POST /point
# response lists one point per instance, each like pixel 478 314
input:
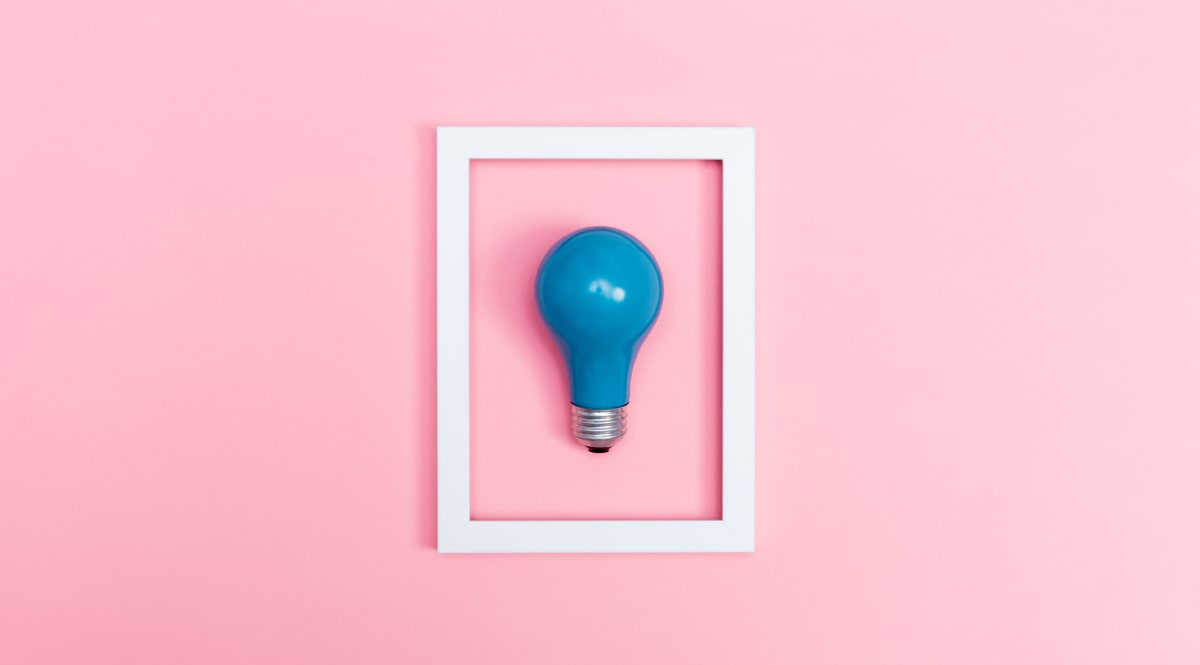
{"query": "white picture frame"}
pixel 456 147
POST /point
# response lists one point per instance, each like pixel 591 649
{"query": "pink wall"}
pixel 978 377
pixel 524 462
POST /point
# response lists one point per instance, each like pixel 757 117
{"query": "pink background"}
pixel 524 462
pixel 978 368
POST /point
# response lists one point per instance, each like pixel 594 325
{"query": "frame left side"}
pixel 453 336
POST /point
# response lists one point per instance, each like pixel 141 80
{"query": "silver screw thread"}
pixel 598 429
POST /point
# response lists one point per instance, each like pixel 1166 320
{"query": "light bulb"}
pixel 599 290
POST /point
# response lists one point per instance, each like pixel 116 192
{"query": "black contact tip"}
pixel 592 449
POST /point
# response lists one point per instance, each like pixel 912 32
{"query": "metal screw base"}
pixel 598 429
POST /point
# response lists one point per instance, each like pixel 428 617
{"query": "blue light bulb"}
pixel 599 291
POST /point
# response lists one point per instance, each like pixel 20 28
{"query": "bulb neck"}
pixel 598 429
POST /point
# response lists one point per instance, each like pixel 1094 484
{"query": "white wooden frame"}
pixel 456 147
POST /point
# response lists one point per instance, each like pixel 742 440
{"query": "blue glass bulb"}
pixel 599 290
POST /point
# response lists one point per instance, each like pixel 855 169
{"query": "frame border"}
pixel 456 147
